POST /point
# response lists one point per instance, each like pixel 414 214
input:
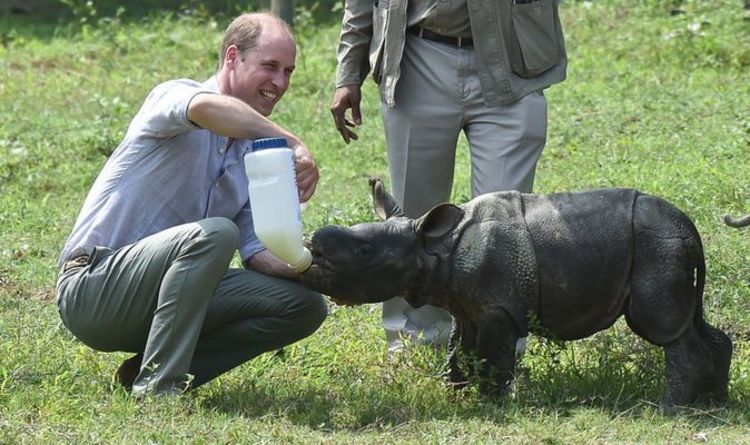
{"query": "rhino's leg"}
pixel 664 312
pixel 462 340
pixel 697 364
pixel 496 349
pixel 720 346
pixel 661 311
pixel 665 305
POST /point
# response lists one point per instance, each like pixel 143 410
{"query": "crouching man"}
pixel 146 267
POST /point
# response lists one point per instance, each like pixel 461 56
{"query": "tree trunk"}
pixel 284 9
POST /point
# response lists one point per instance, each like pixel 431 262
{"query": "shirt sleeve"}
pixel 250 245
pixel 354 43
pixel 164 112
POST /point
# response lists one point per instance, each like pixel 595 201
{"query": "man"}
pixel 146 267
pixel 443 67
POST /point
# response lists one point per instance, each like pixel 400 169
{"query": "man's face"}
pixel 260 77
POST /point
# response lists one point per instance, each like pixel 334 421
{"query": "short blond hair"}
pixel 244 31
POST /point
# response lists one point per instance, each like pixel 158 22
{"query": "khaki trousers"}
pixel 438 96
pixel 172 297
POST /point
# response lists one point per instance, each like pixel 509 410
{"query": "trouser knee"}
pixel 221 234
pixel 312 310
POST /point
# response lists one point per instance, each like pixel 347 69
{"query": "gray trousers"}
pixel 438 96
pixel 173 297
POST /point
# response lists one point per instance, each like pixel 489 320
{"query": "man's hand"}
pixel 346 97
pixel 265 262
pixel 307 172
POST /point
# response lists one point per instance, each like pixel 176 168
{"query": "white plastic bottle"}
pixel 274 200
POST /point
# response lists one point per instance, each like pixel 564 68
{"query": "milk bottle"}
pixel 274 200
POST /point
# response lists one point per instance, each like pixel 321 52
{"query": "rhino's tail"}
pixel 700 284
pixel 700 278
pixel 720 342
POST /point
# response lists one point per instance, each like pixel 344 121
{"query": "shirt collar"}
pixel 212 84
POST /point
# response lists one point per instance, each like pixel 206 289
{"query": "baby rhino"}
pixel 573 262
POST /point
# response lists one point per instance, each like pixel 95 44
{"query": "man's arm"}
pixel 354 43
pixel 353 65
pixel 231 117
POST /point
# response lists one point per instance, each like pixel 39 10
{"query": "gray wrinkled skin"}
pixel 572 262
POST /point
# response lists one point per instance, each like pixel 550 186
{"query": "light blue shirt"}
pixel 167 171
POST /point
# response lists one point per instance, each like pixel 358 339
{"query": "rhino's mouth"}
pixel 321 262
pixel 320 277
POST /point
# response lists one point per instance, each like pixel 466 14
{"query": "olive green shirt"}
pixel 448 17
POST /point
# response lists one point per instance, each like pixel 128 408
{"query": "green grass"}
pixel 653 100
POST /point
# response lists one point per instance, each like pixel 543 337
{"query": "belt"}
pixel 79 261
pixel 460 42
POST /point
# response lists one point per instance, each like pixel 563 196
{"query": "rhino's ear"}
pixel 385 205
pixel 439 221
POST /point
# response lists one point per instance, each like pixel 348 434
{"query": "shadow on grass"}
pixel 326 410
pixel 552 383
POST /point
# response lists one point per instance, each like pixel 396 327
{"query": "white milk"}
pixel 274 201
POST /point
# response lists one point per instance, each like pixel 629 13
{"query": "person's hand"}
pixel 307 172
pixel 265 262
pixel 346 97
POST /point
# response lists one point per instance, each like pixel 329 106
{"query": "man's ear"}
pixel 385 205
pixel 231 56
pixel 438 222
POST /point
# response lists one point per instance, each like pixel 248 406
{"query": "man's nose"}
pixel 281 81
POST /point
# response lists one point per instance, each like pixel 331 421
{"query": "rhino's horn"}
pixel 385 205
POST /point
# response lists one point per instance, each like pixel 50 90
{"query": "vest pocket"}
pixel 534 46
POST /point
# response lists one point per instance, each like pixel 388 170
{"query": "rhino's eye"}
pixel 363 251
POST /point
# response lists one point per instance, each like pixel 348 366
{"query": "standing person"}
pixel 146 267
pixel 444 67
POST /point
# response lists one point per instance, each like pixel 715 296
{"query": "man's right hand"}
pixel 348 96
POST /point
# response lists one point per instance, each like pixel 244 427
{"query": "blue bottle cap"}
pixel 262 144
